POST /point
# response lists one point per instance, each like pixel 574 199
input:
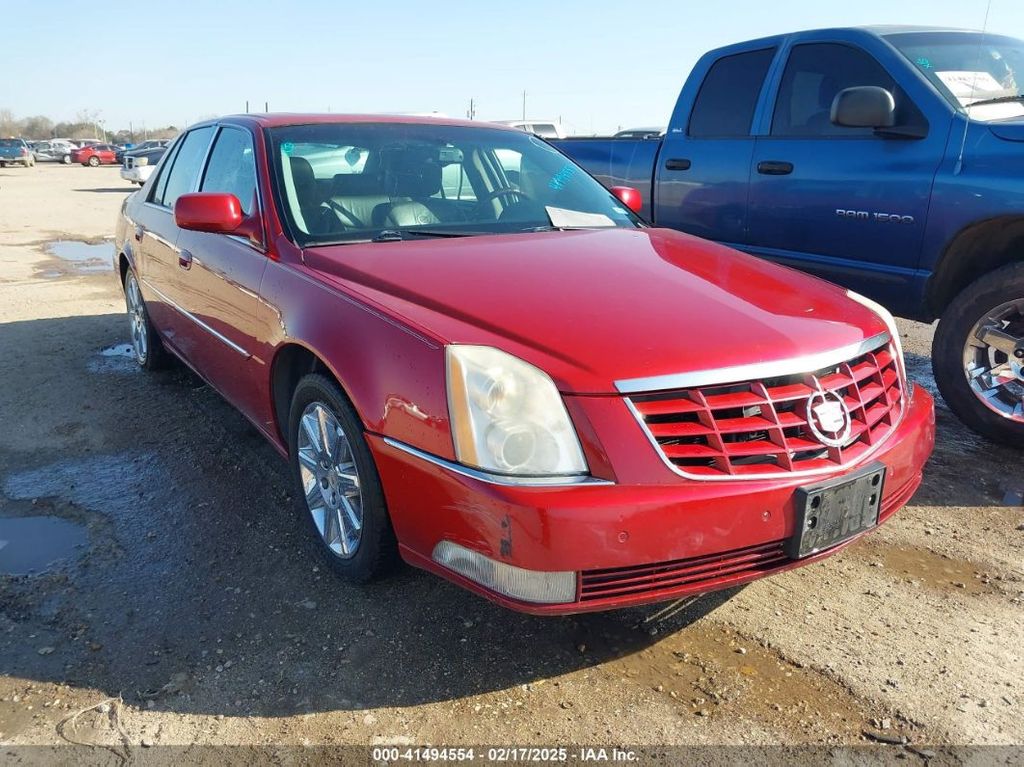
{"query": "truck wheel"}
pixel 978 355
pixel 337 488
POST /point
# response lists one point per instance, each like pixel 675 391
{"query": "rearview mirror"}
pixel 866 106
pixel 208 212
pixel 629 197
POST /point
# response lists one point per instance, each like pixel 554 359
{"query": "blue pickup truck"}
pixel 889 160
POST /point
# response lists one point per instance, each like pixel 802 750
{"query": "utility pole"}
pixel 247 106
pixel 471 112
pixel 266 106
pixel 524 106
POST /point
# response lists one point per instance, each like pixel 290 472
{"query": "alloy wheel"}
pixel 994 360
pixel 137 319
pixel 330 479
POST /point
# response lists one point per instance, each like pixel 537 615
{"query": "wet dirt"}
pixel 923 567
pixel 118 359
pixel 36 544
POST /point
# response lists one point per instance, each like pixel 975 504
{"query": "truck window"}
pixel 727 97
pixel 815 73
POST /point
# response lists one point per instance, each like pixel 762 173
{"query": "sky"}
pixel 596 65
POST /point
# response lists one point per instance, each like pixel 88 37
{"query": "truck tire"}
pixel 978 355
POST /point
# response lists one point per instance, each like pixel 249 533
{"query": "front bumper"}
pixel 137 174
pixel 651 542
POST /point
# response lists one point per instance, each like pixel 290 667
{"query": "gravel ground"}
pixel 185 607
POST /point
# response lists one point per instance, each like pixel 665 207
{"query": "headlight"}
pixel 507 416
pixel 894 332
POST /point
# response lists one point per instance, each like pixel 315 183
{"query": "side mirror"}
pixel 209 212
pixel 629 197
pixel 866 106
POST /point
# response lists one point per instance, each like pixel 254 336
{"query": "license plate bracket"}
pixel 830 512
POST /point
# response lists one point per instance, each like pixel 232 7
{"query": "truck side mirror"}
pixel 866 106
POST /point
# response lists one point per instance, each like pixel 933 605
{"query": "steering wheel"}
pixel 499 193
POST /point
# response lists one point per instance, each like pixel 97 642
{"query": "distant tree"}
pixel 37 127
pixel 9 126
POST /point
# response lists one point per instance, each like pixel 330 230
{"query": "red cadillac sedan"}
pixel 479 360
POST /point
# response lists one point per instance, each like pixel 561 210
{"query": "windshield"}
pixel 348 182
pixel 970 69
pixel 10 142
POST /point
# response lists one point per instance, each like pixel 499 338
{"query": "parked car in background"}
pixel 885 159
pixel 143 146
pixel 63 147
pixel 46 151
pixel 542 128
pixel 655 416
pixel 15 151
pixel 138 165
pixel 640 133
pixel 95 154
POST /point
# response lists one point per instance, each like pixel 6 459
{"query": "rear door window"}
pixel 182 175
pixel 728 96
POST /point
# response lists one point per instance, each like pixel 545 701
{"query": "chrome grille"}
pixel 759 427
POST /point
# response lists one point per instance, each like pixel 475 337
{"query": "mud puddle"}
pixel 928 568
pixel 710 672
pixel 119 358
pixel 81 257
pixel 31 545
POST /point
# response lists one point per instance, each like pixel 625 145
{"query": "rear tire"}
pixel 976 379
pixel 146 344
pixel 66 159
pixel 338 486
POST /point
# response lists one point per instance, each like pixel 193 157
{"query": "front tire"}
pixel 146 345
pixel 66 159
pixel 337 487
pixel 978 355
pixel 94 161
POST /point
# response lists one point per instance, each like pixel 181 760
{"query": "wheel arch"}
pixel 976 250
pixel 123 265
pixel 291 362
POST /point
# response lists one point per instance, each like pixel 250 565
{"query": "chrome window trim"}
pixel 497 479
pixel 756 370
pixel 859 349
pixel 185 313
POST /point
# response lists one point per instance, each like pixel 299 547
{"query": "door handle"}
pixel 184 259
pixel 774 168
pixel 677 163
pixel 139 232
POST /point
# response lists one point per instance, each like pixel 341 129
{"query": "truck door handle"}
pixel 677 163
pixel 184 259
pixel 774 168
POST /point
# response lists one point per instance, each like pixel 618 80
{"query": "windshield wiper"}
pixel 394 235
pixel 999 100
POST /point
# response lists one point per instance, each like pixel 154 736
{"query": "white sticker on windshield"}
pixel 969 87
pixel 562 217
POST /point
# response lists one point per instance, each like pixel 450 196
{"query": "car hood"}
pixel 594 307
